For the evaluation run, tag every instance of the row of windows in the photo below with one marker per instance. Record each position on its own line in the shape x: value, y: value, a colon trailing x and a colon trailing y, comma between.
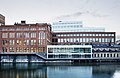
x: 69, y: 56
x: 19, y: 49
x: 85, y: 35
x: 13, y: 29
x: 69, y: 50
x: 78, y: 30
x: 70, y: 26
x: 41, y: 35
x: 86, y: 40
x: 106, y: 55
x: 25, y: 42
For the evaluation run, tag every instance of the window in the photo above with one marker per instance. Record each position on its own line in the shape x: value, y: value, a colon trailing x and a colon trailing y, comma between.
x: 4, y: 35
x: 26, y: 42
x: 4, y: 49
x: 11, y: 42
x: 33, y: 29
x: 103, y: 34
x: 110, y: 55
x: 43, y: 28
x: 98, y: 55
x: 101, y: 55
x: 33, y: 42
x: 107, y: 55
x: 96, y: 34
x: 11, y: 29
x: 44, y: 35
x: 33, y: 34
x: 4, y: 42
x: 112, y: 40
x: 103, y: 40
x: 19, y: 42
x: 26, y: 35
x: 11, y: 49
x: 19, y: 49
x: 80, y: 39
x: 99, y: 39
x: 104, y: 55
x: 19, y: 35
x: 12, y: 35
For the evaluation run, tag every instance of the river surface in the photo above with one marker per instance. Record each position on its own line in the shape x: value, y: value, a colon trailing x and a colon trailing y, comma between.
x: 36, y: 70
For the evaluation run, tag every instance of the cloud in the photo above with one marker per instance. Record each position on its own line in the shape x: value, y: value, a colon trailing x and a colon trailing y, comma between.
x: 81, y: 13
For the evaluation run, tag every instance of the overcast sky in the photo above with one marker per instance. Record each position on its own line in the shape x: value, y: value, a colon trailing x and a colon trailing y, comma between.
x: 93, y: 13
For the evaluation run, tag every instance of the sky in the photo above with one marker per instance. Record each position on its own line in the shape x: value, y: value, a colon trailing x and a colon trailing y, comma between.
x: 93, y: 13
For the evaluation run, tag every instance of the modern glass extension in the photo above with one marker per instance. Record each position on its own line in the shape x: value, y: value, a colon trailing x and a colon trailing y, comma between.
x: 69, y: 51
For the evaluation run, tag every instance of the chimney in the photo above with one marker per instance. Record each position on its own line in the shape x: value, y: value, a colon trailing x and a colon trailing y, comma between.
x: 23, y: 22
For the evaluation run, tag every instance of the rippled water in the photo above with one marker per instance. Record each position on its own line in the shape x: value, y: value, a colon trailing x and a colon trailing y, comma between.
x: 37, y: 70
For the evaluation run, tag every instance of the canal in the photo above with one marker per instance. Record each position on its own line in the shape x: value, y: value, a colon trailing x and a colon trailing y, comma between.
x: 37, y: 70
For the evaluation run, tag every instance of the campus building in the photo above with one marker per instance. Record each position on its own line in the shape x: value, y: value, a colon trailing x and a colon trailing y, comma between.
x: 2, y: 20
x: 25, y: 37
x: 61, y: 40
x: 73, y: 32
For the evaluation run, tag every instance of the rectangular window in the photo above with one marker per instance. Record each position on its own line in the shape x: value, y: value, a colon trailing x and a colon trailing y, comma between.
x: 99, y: 39
x: 26, y: 42
x: 11, y: 42
x: 4, y: 49
x: 112, y: 40
x: 80, y: 39
x: 103, y: 40
x: 33, y: 42
x: 39, y: 42
x: 19, y: 35
x: 12, y: 35
x: 19, y: 42
x: 32, y: 28
x: 96, y: 34
x: 44, y: 35
x: 33, y: 34
x: 5, y: 42
x: 4, y: 35
x: 11, y: 49
x: 59, y: 40
x: 26, y: 35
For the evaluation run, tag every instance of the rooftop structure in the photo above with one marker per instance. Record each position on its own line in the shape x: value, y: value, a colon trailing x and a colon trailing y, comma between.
x: 74, y: 26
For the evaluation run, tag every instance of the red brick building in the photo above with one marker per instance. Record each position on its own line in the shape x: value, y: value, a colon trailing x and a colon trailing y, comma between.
x: 25, y: 37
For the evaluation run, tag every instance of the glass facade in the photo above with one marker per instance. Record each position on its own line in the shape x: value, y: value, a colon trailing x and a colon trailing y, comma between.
x: 73, y: 26
x: 66, y: 51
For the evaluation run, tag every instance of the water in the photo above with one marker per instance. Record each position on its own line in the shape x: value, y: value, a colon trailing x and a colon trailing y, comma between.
x: 36, y: 70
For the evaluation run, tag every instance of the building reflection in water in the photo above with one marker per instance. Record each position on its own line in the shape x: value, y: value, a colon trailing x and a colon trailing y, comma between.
x: 23, y: 71
x: 37, y: 70
x: 105, y: 71
x: 69, y: 72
